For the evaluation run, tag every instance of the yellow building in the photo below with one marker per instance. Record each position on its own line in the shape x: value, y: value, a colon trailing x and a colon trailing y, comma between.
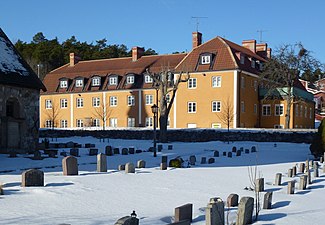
x: 223, y: 86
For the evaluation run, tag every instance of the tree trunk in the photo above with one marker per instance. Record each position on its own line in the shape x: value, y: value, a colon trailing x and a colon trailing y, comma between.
x: 163, y: 128
x: 287, y: 119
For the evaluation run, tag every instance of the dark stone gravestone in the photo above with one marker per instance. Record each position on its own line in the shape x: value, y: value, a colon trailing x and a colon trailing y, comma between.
x: 70, y: 166
x: 32, y: 178
x: 108, y: 150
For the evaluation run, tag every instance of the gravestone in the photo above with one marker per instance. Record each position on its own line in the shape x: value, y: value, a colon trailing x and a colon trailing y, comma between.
x: 93, y: 151
x: 253, y: 149
x: 246, y: 151
x: 138, y: 151
x: 214, y: 212
x: 321, y: 159
x: 267, y: 203
x: 203, y: 160
x: 294, y: 171
x: 229, y: 154
x: 183, y: 222
x: 184, y: 212
x: 170, y: 147
x: 232, y: 200
x: 127, y: 220
x: 64, y: 154
x: 316, y: 173
x: 70, y: 166
x: 278, y: 178
x: 101, y: 163
x: 52, y: 154
x: 211, y: 160
x: 32, y: 178
x: 163, y: 166
x: 301, y: 167
x: 307, y: 166
x: 129, y: 168
x: 303, y: 182
x: 234, y: 149
x: 74, y: 152
x: 116, y: 151
x: 131, y: 151
x: 216, y: 154
x: 87, y: 145
x: 141, y: 164
x: 224, y: 153
x: 121, y: 167
x: 259, y: 184
x: 192, y: 160
x: 164, y: 159
x: 291, y: 187
x: 241, y: 149
x: 238, y: 153
x: 151, y: 149
x: 245, y: 211
x: 125, y: 151
x: 160, y: 147
x: 290, y: 173
x: 37, y: 155
x: 62, y: 145
x: 1, y: 189
x: 108, y: 150
x: 69, y: 144
x: 309, y: 177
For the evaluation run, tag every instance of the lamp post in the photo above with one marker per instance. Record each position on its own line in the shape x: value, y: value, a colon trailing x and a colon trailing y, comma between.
x: 154, y: 110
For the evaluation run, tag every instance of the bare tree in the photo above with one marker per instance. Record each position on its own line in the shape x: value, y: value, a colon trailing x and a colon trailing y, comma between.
x: 166, y: 83
x: 52, y: 113
x: 102, y: 112
x: 283, y: 70
x: 226, y: 116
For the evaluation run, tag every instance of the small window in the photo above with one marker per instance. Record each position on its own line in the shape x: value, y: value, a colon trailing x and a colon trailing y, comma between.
x: 64, y: 123
x: 255, y: 85
x: 279, y: 109
x: 113, y: 101
x: 80, y: 123
x: 216, y: 125
x: 191, y: 125
x: 149, y: 121
x: 216, y: 106
x: 113, y: 122
x: 113, y: 80
x: 149, y: 99
x: 242, y: 58
x: 242, y: 106
x: 131, y: 122
x: 253, y: 63
x: 80, y: 102
x: 191, y: 107
x: 148, y: 79
x: 96, y: 123
x: 63, y: 103
x: 95, y: 81
x: 266, y: 110
x: 79, y: 83
x: 96, y: 101
x: 63, y: 84
x: 191, y: 83
x: 131, y: 100
x: 130, y: 79
x: 48, y: 104
x: 216, y: 81
x: 168, y: 98
x: 242, y: 83
x: 205, y: 59
x: 49, y: 124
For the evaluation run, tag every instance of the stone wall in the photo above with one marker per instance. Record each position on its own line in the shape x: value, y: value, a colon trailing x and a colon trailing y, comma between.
x: 192, y: 135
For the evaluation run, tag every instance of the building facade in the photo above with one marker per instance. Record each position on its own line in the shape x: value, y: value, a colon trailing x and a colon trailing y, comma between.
x: 224, y: 85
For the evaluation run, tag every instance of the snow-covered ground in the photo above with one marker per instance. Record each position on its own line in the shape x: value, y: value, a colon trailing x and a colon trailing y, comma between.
x: 102, y: 198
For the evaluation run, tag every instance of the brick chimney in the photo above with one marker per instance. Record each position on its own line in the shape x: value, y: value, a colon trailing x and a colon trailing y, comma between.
x: 250, y: 44
x: 137, y: 52
x: 74, y: 59
x: 269, y: 53
x: 261, y: 50
x: 196, y: 39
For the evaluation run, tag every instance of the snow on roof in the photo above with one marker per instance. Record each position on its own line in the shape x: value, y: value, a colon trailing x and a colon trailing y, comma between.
x: 9, y: 60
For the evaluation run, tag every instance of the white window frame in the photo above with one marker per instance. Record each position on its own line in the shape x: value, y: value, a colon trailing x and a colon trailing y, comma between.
x: 191, y: 107
x: 149, y: 99
x: 64, y: 123
x: 95, y: 81
x: 79, y: 83
x: 192, y: 83
x: 63, y: 84
x: 205, y: 59
x: 216, y: 81
x: 48, y: 123
x: 48, y: 104
x: 80, y: 123
x: 113, y: 122
x: 131, y: 100
x: 80, y: 102
x: 216, y: 106
x: 266, y: 112
x: 96, y: 122
x: 63, y: 103
x: 113, y: 101
x: 148, y: 79
x: 96, y: 101
x: 113, y: 80
x: 130, y: 79
x: 277, y: 109
x: 131, y: 122
x: 242, y: 59
x: 149, y: 121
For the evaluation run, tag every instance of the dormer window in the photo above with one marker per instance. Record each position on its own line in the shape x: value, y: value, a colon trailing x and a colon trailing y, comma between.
x: 95, y: 81
x: 63, y: 84
x: 253, y: 63
x: 113, y: 80
x: 148, y: 79
x: 242, y: 58
x: 130, y: 79
x: 205, y: 59
x: 79, y: 83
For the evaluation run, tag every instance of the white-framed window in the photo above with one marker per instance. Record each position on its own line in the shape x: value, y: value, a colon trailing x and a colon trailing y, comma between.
x: 242, y: 106
x: 216, y: 106
x: 64, y: 123
x: 255, y: 85
x: 191, y: 125
x: 191, y: 84
x: 278, y: 110
x: 216, y: 81
x: 297, y: 110
x: 48, y: 104
x: 113, y: 101
x: 63, y: 84
x: 130, y: 79
x: 63, y: 103
x: 80, y: 102
x: 253, y: 63
x: 191, y: 107
x: 255, y: 108
x: 216, y: 125
x: 131, y: 100
x: 80, y: 123
x: 113, y: 80
x: 96, y: 101
x: 205, y: 59
x: 301, y: 109
x: 149, y: 121
x: 242, y: 83
x: 278, y: 126
x: 266, y: 110
x: 95, y: 81
x: 242, y: 58
x: 113, y: 122
x: 310, y: 113
x: 79, y: 83
x: 49, y: 124
x: 148, y: 79
x: 131, y: 122
x: 149, y: 99
x: 96, y: 123
x: 306, y: 111
x: 168, y: 98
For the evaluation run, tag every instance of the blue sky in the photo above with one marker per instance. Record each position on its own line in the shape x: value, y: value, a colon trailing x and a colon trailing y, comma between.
x: 166, y: 25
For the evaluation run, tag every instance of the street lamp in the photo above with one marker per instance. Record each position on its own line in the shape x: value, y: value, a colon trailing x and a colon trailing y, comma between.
x: 154, y: 110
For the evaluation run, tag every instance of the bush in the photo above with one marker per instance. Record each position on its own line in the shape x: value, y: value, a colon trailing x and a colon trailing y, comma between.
x: 176, y: 163
x: 317, y: 147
